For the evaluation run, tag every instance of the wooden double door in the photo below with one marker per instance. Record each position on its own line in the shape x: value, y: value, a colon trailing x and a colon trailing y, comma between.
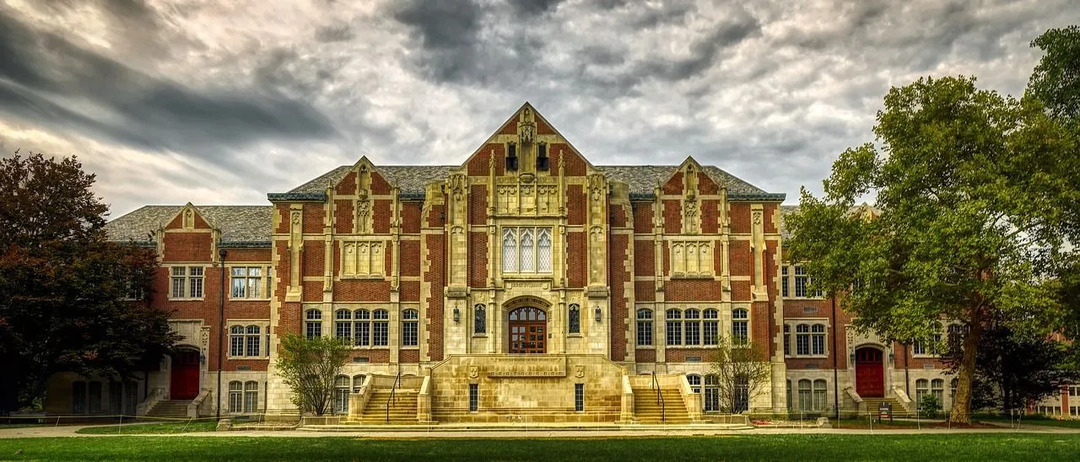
x: 869, y: 372
x: 184, y: 383
x: 528, y: 330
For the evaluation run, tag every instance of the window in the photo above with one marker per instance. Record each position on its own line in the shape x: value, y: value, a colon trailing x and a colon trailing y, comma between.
x: 644, y: 327
x: 575, y: 319
x: 809, y: 340
x: 800, y: 279
x: 343, y: 325
x: 133, y: 290
x: 674, y: 327
x: 245, y: 341
x: 187, y: 282
x: 236, y: 397
x: 711, y: 327
x: 692, y: 327
x: 251, y: 396
x: 511, y: 157
x: 341, y: 394
x: 362, y: 328
x: 821, y: 395
x: 928, y: 347
x: 579, y: 397
x: 956, y: 337
x: 787, y: 342
x: 380, y: 328
x: 474, y: 397
x: 357, y: 382
x: 789, y: 397
x: 805, y: 396
x: 527, y: 250
x: 937, y: 388
x: 250, y: 282
x: 818, y: 338
x: 922, y: 388
x: 784, y: 281
x: 802, y: 339
x: 712, y: 393
x: 742, y: 394
x: 410, y: 334
x: 479, y: 319
x: 542, y: 162
x: 313, y: 324
x: 362, y: 259
x: 740, y: 333
x: 78, y: 397
x: 695, y: 382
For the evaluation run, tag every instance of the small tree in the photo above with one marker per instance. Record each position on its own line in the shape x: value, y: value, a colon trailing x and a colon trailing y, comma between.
x: 742, y: 372
x: 309, y: 366
x: 929, y: 405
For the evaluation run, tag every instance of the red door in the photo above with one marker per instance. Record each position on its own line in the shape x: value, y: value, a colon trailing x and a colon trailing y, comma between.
x: 185, y: 375
x: 869, y: 373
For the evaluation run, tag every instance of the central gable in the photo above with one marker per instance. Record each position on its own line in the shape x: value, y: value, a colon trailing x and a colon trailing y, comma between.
x: 526, y: 144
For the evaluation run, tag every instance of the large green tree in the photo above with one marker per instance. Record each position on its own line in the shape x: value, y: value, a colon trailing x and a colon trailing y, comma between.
x: 64, y: 289
x: 970, y: 188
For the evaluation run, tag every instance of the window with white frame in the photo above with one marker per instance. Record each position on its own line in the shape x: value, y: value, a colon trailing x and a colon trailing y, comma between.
x: 644, y: 327
x: 710, y: 327
x: 740, y: 326
x: 251, y: 396
x: 236, y: 396
x: 810, y: 339
x: 692, y: 326
x: 922, y: 388
x: 362, y: 328
x: 341, y: 394
x: 527, y: 250
x: 712, y: 393
x: 245, y: 341
x: 343, y: 325
x: 817, y: 332
x: 695, y: 382
x: 410, y: 328
x: 251, y: 282
x: 187, y: 282
x: 674, y: 327
x: 937, y: 388
x: 380, y: 328
x: 928, y: 347
x: 821, y: 395
x: 313, y: 323
x: 795, y: 282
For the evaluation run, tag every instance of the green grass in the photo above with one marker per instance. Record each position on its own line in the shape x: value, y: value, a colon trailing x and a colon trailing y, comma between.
x: 1036, y: 421
x: 937, y: 447
x: 151, y: 428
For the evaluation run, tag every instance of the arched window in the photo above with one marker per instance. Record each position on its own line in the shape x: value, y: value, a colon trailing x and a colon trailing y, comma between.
x: 692, y: 326
x: 922, y: 388
x: 674, y: 327
x: 313, y: 324
x: 821, y: 395
x: 410, y: 332
x: 236, y: 341
x: 695, y: 382
x: 805, y: 396
x: 236, y: 396
x: 937, y: 388
x: 644, y: 327
x: 251, y: 396
x: 253, y: 342
x: 740, y: 332
x: 510, y: 250
x: 711, y: 327
x: 818, y: 339
x: 479, y: 319
x: 362, y: 328
x: 543, y: 249
x: 341, y: 394
x: 575, y: 319
x: 528, y: 252
x: 343, y: 325
x: 380, y: 328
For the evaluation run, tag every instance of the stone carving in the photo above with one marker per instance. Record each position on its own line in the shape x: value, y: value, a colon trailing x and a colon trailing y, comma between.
x: 474, y: 372
x: 579, y: 371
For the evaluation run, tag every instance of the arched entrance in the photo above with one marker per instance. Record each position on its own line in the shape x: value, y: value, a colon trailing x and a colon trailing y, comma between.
x: 184, y: 379
x: 869, y: 372
x: 528, y: 330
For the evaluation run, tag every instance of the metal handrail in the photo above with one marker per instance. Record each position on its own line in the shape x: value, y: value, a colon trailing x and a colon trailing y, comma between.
x: 659, y: 398
x: 393, y: 394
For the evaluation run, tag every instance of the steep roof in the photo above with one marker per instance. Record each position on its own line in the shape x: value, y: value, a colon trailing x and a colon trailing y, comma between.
x: 239, y: 224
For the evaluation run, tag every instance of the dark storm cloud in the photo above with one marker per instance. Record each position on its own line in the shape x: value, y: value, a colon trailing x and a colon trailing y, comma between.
x: 703, y: 52
x: 533, y: 7
x: 46, y: 78
x: 448, y: 36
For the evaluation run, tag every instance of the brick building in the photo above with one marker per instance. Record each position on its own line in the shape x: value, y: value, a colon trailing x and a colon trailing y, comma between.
x: 523, y: 281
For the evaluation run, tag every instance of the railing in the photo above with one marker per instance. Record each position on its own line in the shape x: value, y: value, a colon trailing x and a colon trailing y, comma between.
x: 659, y: 398
x: 393, y: 394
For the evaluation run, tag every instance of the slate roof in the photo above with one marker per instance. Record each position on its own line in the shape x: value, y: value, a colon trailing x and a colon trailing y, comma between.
x: 239, y: 224
x: 642, y: 180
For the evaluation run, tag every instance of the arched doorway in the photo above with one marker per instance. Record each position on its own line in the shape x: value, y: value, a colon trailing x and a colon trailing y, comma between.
x: 528, y: 330
x: 184, y: 379
x: 869, y: 372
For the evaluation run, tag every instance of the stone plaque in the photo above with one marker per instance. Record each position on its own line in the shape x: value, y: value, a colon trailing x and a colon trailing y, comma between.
x: 529, y: 366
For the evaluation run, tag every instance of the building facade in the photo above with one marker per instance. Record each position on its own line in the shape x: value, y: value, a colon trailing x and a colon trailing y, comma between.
x: 522, y: 281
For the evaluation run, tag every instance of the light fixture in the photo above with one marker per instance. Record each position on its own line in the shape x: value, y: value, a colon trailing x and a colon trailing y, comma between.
x: 599, y: 314
x: 457, y: 314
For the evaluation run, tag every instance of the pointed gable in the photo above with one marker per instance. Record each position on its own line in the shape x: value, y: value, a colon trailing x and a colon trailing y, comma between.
x: 524, y: 128
x: 187, y: 218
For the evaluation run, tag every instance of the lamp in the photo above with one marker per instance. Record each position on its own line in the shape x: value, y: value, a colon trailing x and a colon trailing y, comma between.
x: 599, y: 314
x: 457, y: 314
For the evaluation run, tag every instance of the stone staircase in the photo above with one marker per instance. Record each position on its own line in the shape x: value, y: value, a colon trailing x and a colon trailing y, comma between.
x: 171, y: 409
x: 402, y: 408
x: 648, y: 411
x: 898, y: 410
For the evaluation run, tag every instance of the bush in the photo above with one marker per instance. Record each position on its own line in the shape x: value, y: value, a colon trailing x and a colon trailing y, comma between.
x: 929, y: 406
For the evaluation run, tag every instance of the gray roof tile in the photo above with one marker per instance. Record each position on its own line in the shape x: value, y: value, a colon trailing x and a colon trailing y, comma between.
x: 238, y: 223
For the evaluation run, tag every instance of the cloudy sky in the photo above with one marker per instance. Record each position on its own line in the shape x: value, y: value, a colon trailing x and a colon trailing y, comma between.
x: 221, y: 102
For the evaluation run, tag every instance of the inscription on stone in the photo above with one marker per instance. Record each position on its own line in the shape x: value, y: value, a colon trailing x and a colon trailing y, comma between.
x: 529, y: 366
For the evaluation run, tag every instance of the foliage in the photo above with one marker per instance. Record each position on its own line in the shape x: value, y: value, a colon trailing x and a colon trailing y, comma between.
x: 742, y: 372
x: 966, y: 224
x: 61, y: 284
x: 929, y: 406
x: 1056, y: 79
x: 309, y: 366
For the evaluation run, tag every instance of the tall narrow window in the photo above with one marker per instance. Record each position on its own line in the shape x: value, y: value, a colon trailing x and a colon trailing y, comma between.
x: 239, y: 282
x: 253, y: 338
x: 313, y: 327
x: 510, y: 250
x: 579, y: 397
x: 528, y: 252
x: 380, y: 328
x: 805, y: 396
x: 479, y: 319
x: 644, y: 327
x: 195, y: 282
x: 511, y: 157
x: 343, y: 324
x: 742, y: 393
x: 922, y: 388
x: 693, y: 327
x: 236, y: 397
x: 179, y: 278
x: 802, y: 339
x: 712, y: 393
x: 787, y: 341
x: 937, y: 388
x: 474, y: 397
x: 362, y: 328
x: 784, y: 280
x: 818, y: 337
x: 341, y: 394
x: 251, y: 396
x: 543, y: 250
x: 236, y: 341
x: 740, y: 332
x: 247, y: 282
x: 674, y: 327
x: 695, y: 382
x: 575, y: 319
x: 801, y: 280
x: 410, y: 328
x: 821, y: 395
x: 541, y: 157
x: 711, y: 327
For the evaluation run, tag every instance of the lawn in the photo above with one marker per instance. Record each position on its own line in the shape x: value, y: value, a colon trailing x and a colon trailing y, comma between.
x: 1000, y: 446
x: 151, y: 428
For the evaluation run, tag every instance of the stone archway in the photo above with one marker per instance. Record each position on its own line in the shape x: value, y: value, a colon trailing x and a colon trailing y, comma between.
x: 870, y: 372
x: 184, y: 374
x: 528, y: 330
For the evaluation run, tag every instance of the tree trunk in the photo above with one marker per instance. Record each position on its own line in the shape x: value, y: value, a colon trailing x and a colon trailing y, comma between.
x: 961, y: 407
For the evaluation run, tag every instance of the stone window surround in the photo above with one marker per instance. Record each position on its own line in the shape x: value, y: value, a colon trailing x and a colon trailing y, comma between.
x: 791, y: 332
x: 264, y: 336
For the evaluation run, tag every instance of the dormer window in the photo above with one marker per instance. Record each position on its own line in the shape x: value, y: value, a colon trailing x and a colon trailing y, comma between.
x: 541, y: 157
x: 511, y: 157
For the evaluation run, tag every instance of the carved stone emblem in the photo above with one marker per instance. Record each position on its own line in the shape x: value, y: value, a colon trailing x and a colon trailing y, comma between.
x: 579, y: 371
x: 474, y: 372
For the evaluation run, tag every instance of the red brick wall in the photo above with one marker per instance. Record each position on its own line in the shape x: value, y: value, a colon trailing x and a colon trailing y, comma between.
x: 343, y: 216
x: 619, y: 244
x: 739, y: 253
x: 643, y: 217
x: 377, y: 356
x: 576, y: 255
x: 740, y: 291
x: 313, y: 217
x: 281, y: 212
x: 358, y: 290
x: 644, y: 291
x: 543, y: 128
x: 409, y: 356
x: 478, y: 256
x: 410, y: 217
x: 379, y: 185
x: 347, y: 185
x: 709, y: 223
x: 314, y: 258
x: 672, y: 217
x: 435, y: 276
x: 573, y: 163
x: 258, y: 255
x: 674, y: 185
x: 679, y: 355
x: 410, y: 257
x: 706, y: 186
x: 382, y: 214
x: 479, y: 162
x: 644, y: 258
x: 643, y: 355
x: 410, y: 291
x: 686, y: 290
x: 770, y: 225
x: 739, y: 213
x: 187, y: 247
x: 478, y: 204
x: 575, y: 205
